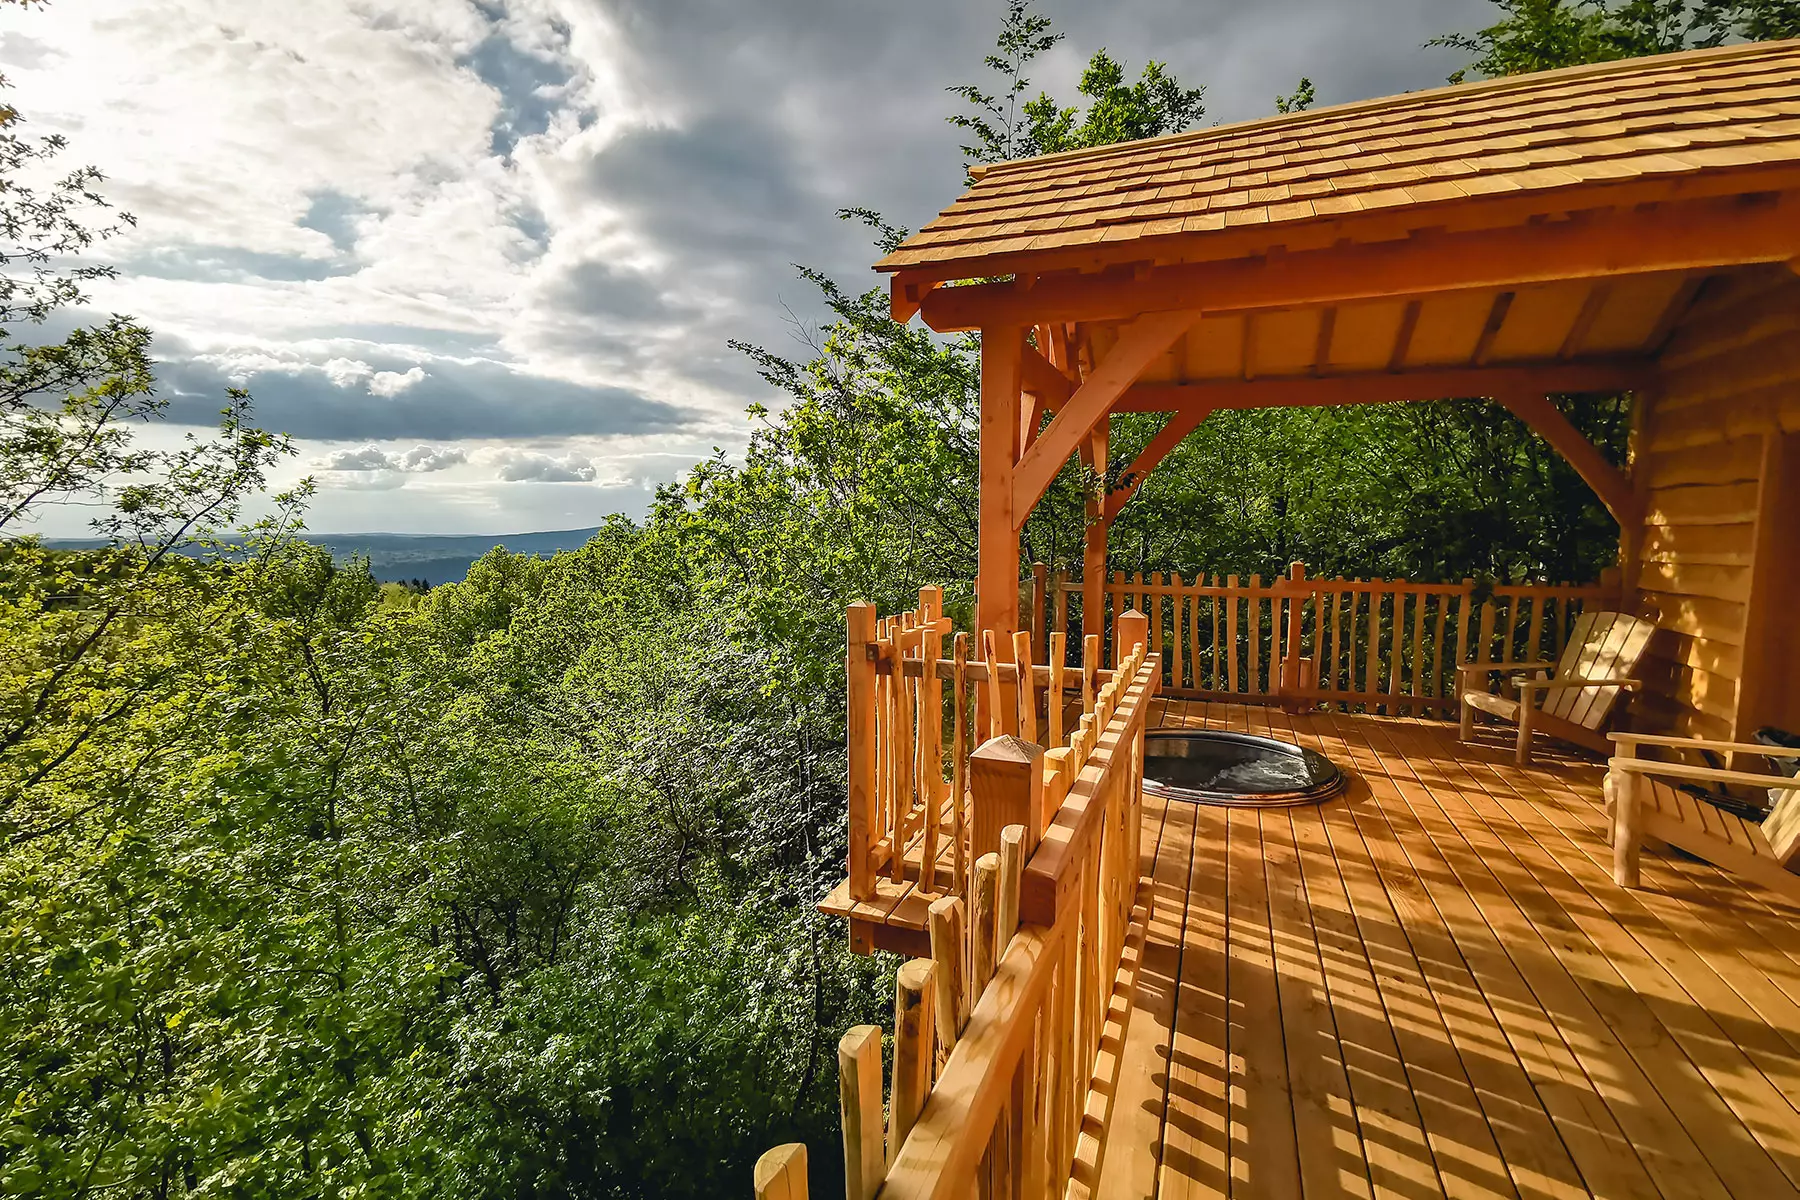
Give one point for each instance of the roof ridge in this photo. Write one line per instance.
(1505, 83)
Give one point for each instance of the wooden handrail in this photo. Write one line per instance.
(939, 1157)
(1008, 1085)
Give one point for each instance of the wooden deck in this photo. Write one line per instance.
(1432, 987)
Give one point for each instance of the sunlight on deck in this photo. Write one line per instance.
(1432, 987)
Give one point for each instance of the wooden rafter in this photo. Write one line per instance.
(1584, 320)
(1373, 387)
(1409, 322)
(1609, 483)
(1139, 344)
(1668, 238)
(1490, 329)
(1179, 425)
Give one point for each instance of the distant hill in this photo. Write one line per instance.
(435, 558)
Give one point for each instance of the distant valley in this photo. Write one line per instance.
(434, 558)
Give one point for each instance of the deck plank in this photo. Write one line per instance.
(1265, 1157)
(1431, 987)
(1753, 1070)
(1128, 1170)
(1194, 1159)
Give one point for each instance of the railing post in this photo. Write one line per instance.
(781, 1173)
(912, 1051)
(951, 980)
(1040, 597)
(859, 670)
(1130, 628)
(859, 1108)
(1006, 786)
(1290, 651)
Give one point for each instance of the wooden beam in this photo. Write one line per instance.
(1367, 387)
(1180, 424)
(1671, 237)
(905, 296)
(1609, 483)
(1139, 344)
(1044, 380)
(997, 579)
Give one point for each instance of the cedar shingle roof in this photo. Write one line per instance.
(1666, 118)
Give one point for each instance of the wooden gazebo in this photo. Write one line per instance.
(1447, 982)
(1630, 226)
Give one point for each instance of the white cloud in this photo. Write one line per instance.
(420, 460)
(345, 372)
(519, 466)
(424, 459)
(392, 383)
(368, 458)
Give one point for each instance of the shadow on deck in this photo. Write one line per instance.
(1432, 987)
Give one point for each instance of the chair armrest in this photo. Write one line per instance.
(1512, 668)
(1645, 766)
(1556, 685)
(1630, 741)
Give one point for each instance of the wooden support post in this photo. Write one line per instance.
(951, 982)
(997, 581)
(859, 667)
(859, 1107)
(912, 1051)
(1094, 536)
(1006, 783)
(781, 1173)
(1054, 713)
(1622, 789)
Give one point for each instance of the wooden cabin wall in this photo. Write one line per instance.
(1719, 558)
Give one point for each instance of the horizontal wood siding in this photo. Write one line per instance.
(1730, 379)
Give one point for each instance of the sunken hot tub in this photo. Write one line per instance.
(1214, 766)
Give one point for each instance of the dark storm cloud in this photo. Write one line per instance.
(788, 110)
(598, 289)
(453, 401)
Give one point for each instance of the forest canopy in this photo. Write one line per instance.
(506, 888)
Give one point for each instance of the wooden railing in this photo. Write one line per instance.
(914, 717)
(1391, 645)
(1000, 1032)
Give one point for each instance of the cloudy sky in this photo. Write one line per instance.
(481, 257)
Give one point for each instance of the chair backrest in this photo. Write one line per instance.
(1602, 645)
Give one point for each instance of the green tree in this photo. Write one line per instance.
(1539, 35)
(1299, 101)
(1005, 125)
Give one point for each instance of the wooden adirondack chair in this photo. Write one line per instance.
(1571, 698)
(1643, 804)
